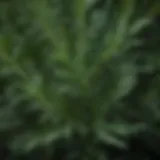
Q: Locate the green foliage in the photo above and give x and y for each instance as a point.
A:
(76, 73)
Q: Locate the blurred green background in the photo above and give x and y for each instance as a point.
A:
(79, 79)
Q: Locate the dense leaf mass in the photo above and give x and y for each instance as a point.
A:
(79, 79)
